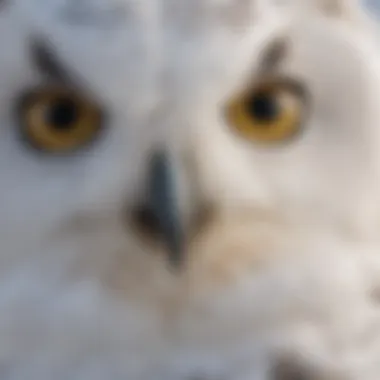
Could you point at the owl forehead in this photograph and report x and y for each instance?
(152, 15)
(149, 25)
(180, 12)
(128, 48)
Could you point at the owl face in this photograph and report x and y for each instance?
(122, 122)
(184, 92)
(81, 124)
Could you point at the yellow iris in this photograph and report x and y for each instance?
(272, 112)
(58, 120)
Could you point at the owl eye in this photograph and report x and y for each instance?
(58, 120)
(272, 112)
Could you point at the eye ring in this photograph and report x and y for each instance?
(272, 112)
(58, 120)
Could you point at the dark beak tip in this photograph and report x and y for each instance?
(165, 205)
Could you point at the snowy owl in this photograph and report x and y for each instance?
(189, 191)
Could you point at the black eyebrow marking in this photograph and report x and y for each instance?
(274, 55)
(47, 62)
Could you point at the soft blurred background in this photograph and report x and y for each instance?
(375, 5)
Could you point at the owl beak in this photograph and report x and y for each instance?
(165, 206)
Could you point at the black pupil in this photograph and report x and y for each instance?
(263, 107)
(62, 114)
